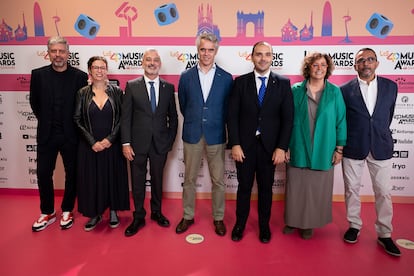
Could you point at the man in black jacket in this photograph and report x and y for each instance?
(52, 96)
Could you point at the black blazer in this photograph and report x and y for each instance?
(275, 117)
(365, 133)
(140, 126)
(41, 100)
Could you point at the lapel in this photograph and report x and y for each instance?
(271, 88)
(359, 98)
(143, 95)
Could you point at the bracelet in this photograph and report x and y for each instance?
(339, 151)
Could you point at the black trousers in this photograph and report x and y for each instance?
(257, 163)
(46, 163)
(139, 179)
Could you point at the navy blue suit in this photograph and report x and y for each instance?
(369, 133)
(204, 118)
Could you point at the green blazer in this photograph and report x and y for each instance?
(330, 128)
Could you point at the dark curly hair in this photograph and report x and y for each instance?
(310, 59)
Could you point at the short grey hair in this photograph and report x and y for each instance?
(57, 40)
(207, 36)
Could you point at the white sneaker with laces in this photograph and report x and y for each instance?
(43, 221)
(66, 221)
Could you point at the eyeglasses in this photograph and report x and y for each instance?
(316, 65)
(97, 68)
(369, 60)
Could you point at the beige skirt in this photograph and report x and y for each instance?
(308, 197)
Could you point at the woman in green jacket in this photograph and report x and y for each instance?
(318, 136)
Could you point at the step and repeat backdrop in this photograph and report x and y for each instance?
(122, 30)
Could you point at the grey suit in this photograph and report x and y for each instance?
(151, 135)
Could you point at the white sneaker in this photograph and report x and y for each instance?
(66, 221)
(43, 221)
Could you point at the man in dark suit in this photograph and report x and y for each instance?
(203, 93)
(370, 102)
(259, 123)
(52, 98)
(148, 129)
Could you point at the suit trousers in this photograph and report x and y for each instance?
(257, 162)
(379, 171)
(139, 180)
(46, 163)
(193, 154)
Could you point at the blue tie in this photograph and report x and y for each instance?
(152, 94)
(262, 90)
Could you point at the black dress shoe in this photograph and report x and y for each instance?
(160, 219)
(220, 228)
(183, 225)
(237, 233)
(133, 228)
(264, 235)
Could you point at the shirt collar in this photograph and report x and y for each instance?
(265, 75)
(361, 81)
(156, 80)
(212, 67)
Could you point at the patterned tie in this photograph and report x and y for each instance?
(152, 94)
(262, 90)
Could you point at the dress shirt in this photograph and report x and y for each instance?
(206, 80)
(156, 87)
(369, 93)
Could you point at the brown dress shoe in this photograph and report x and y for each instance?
(183, 225)
(220, 228)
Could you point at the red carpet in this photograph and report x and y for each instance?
(159, 251)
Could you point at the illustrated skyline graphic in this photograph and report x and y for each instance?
(289, 32)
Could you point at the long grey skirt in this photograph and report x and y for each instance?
(308, 197)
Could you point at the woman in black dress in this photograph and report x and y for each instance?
(102, 170)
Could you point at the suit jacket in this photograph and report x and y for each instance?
(41, 100)
(140, 126)
(274, 118)
(369, 133)
(204, 118)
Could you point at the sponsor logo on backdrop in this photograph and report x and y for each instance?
(32, 171)
(277, 60)
(398, 166)
(400, 177)
(341, 60)
(189, 59)
(29, 115)
(404, 84)
(31, 159)
(279, 183)
(33, 181)
(401, 60)
(26, 127)
(25, 101)
(7, 60)
(28, 136)
(397, 188)
(73, 58)
(405, 102)
(23, 82)
(126, 61)
(31, 148)
(404, 119)
(400, 154)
